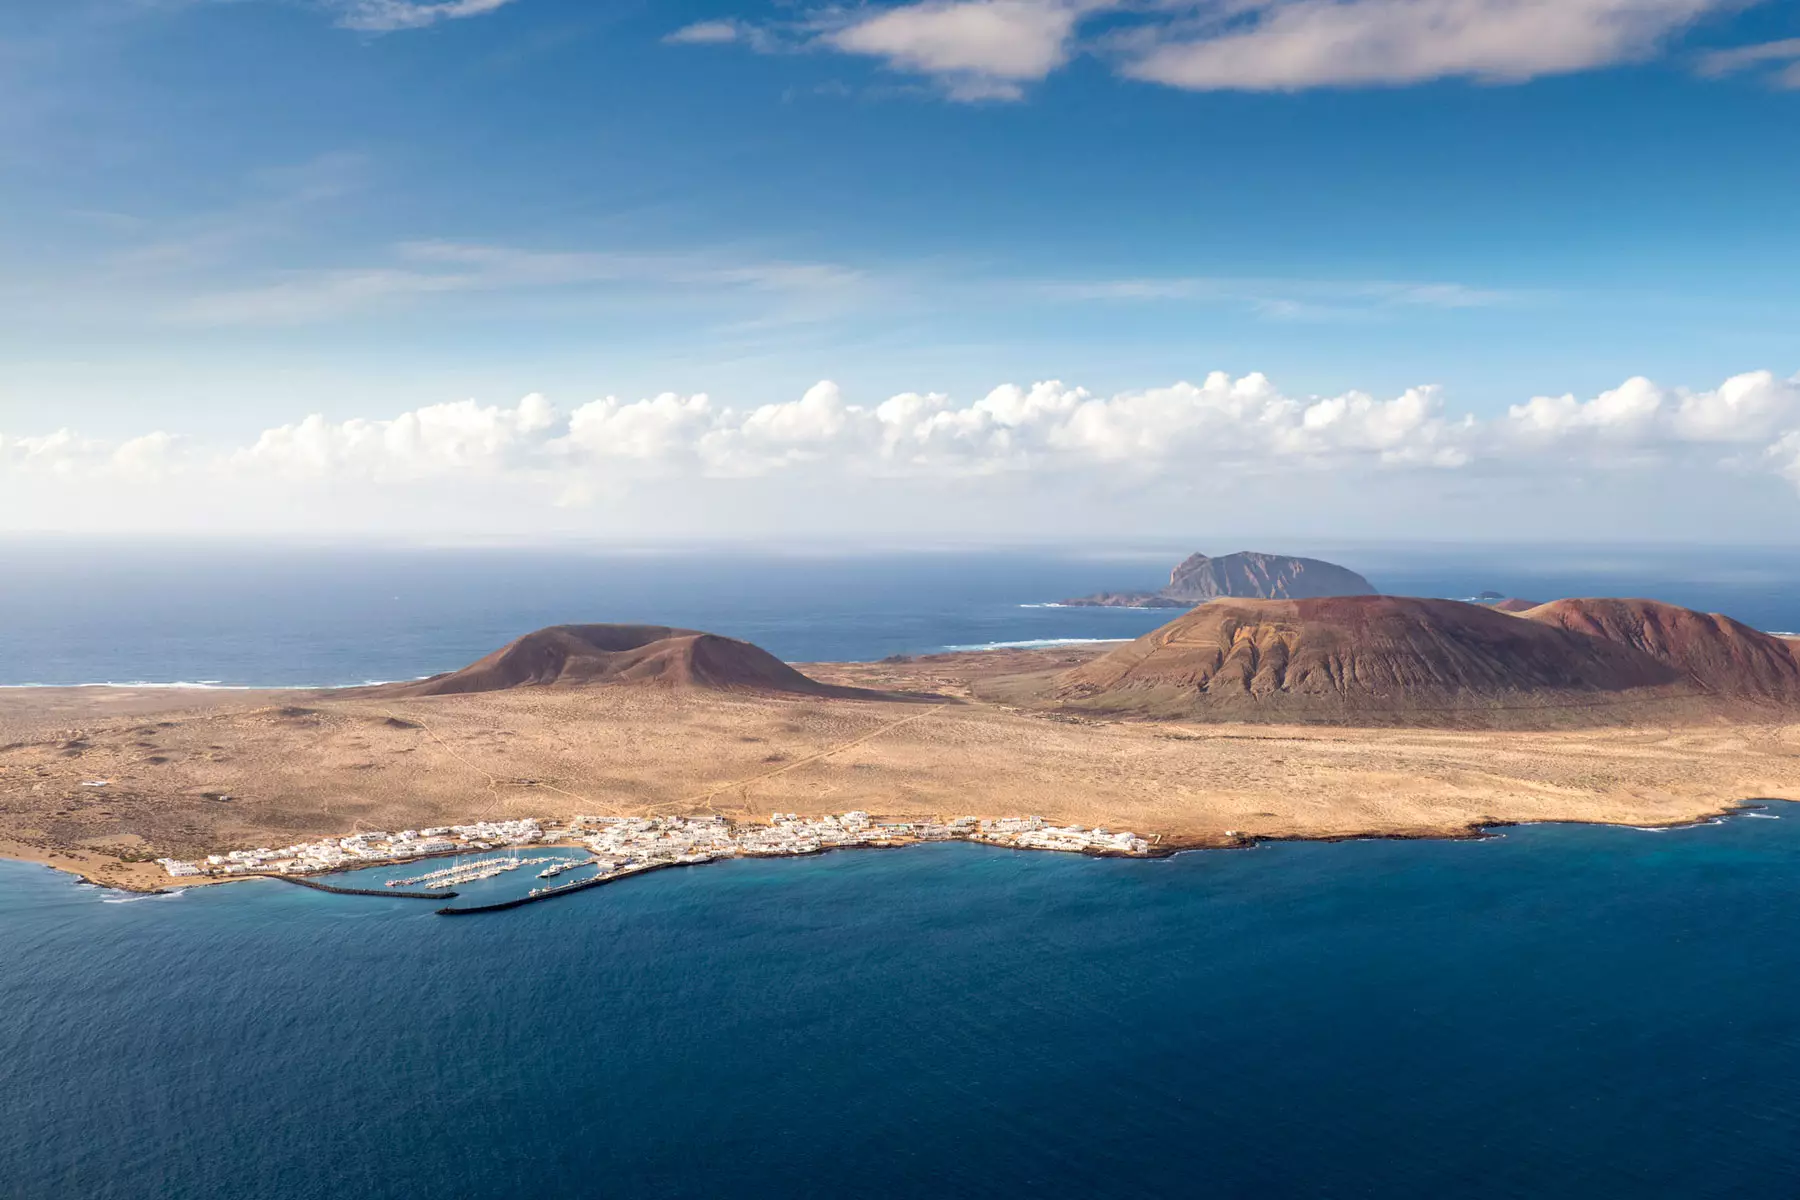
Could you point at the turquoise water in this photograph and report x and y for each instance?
(1560, 1012)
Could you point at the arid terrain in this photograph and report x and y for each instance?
(187, 773)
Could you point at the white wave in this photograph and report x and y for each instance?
(149, 896)
(213, 685)
(1683, 825)
(1761, 816)
(1030, 644)
(1130, 608)
(197, 685)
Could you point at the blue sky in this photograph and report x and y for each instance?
(218, 219)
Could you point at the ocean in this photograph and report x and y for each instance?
(1560, 1011)
(293, 616)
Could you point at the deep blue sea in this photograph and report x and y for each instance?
(1559, 1012)
(95, 612)
(1562, 1012)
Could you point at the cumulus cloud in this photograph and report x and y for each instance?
(650, 431)
(1785, 455)
(991, 49)
(438, 439)
(1745, 409)
(388, 16)
(1048, 431)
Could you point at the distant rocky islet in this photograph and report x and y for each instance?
(1247, 575)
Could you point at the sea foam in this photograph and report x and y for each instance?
(1030, 644)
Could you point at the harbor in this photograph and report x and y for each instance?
(481, 868)
(620, 847)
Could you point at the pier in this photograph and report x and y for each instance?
(316, 886)
(581, 885)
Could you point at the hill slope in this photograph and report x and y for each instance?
(1246, 574)
(1715, 653)
(1382, 660)
(576, 655)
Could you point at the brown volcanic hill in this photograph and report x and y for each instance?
(1717, 654)
(1512, 604)
(1382, 660)
(576, 655)
(1246, 574)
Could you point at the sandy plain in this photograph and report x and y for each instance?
(191, 773)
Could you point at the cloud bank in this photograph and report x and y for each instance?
(1047, 431)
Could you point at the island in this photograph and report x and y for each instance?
(1245, 575)
(643, 746)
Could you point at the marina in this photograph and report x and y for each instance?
(569, 864)
(620, 847)
(481, 868)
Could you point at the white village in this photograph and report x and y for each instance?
(621, 846)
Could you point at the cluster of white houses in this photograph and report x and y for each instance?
(643, 841)
(363, 849)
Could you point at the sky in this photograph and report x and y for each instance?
(931, 271)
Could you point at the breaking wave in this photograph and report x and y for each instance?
(1030, 644)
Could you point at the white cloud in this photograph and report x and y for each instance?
(654, 430)
(436, 268)
(438, 439)
(1049, 433)
(1407, 429)
(1781, 58)
(990, 49)
(68, 454)
(1277, 294)
(1275, 45)
(1625, 411)
(727, 32)
(1745, 409)
(62, 451)
(1785, 455)
(388, 16)
(707, 33)
(146, 457)
(979, 49)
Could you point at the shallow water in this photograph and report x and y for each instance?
(1564, 1011)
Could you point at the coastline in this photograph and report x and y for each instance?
(99, 782)
(156, 881)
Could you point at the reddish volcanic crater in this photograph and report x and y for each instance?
(593, 655)
(1399, 660)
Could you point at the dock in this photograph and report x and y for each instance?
(563, 890)
(316, 886)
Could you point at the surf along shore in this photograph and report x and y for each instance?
(104, 781)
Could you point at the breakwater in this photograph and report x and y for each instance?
(344, 891)
(549, 893)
